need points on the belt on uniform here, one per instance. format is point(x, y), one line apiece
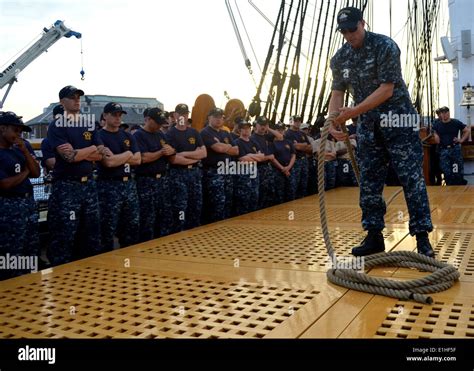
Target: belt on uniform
point(81, 179)
point(155, 176)
point(186, 167)
point(115, 178)
point(16, 195)
point(301, 158)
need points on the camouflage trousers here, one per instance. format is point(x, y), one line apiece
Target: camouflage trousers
point(186, 193)
point(218, 192)
point(119, 213)
point(330, 170)
point(156, 219)
point(283, 186)
point(452, 165)
point(19, 236)
point(73, 220)
point(265, 186)
point(300, 172)
point(345, 176)
point(376, 146)
point(245, 194)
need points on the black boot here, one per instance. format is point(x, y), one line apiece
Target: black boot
point(373, 243)
point(423, 245)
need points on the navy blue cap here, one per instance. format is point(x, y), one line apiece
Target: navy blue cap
point(348, 18)
point(261, 120)
point(11, 118)
point(156, 115)
point(69, 91)
point(216, 112)
point(113, 107)
point(182, 109)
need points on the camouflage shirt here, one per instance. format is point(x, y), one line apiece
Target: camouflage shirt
point(363, 70)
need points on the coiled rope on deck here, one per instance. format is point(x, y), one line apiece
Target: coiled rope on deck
point(442, 277)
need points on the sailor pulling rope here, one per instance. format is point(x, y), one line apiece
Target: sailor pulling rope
point(443, 275)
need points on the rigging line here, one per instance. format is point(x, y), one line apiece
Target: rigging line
point(390, 11)
point(326, 67)
point(267, 62)
point(248, 37)
point(309, 78)
point(237, 34)
point(269, 54)
point(296, 60)
point(285, 71)
point(313, 98)
point(271, 23)
point(298, 82)
point(276, 73)
point(305, 73)
point(281, 84)
point(316, 83)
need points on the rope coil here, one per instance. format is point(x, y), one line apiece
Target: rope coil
point(442, 277)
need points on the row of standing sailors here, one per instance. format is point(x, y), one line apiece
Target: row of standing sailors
point(181, 179)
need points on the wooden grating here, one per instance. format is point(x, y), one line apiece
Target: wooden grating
point(440, 320)
point(98, 302)
point(456, 215)
point(335, 214)
point(457, 248)
point(263, 246)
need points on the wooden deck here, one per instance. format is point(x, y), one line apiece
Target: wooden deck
point(261, 275)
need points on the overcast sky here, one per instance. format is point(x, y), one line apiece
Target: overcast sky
point(169, 50)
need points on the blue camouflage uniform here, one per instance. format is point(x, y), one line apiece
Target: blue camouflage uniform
point(118, 198)
point(265, 172)
point(300, 170)
point(153, 188)
point(284, 189)
point(19, 235)
point(73, 207)
point(362, 71)
point(218, 186)
point(345, 175)
point(450, 153)
point(246, 186)
point(185, 181)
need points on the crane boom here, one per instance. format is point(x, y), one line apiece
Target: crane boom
point(48, 38)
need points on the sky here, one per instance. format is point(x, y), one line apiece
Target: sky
point(169, 50)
